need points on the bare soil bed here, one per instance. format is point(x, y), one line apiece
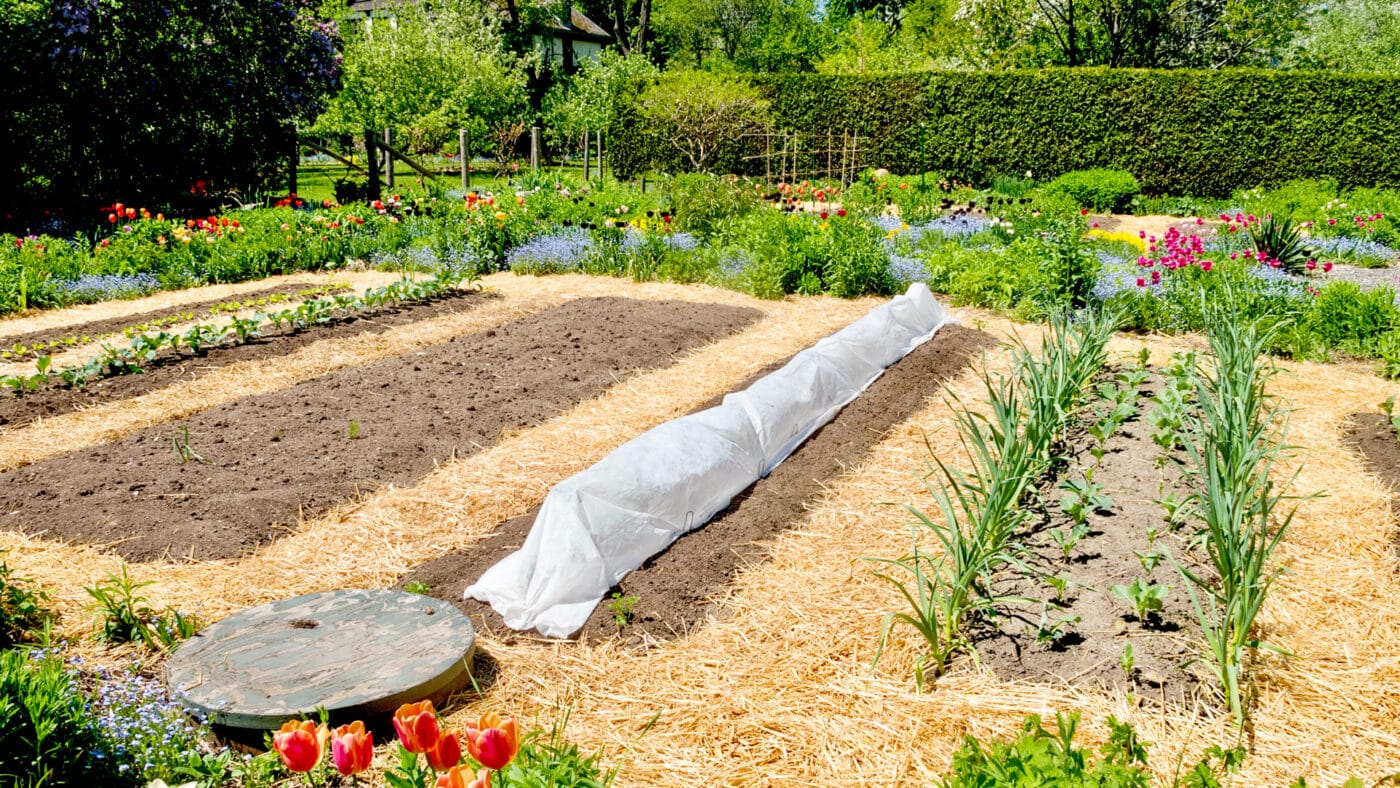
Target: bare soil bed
point(677, 589)
point(1373, 436)
point(97, 328)
point(1089, 651)
point(169, 369)
point(250, 468)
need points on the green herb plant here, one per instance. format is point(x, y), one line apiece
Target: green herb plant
point(127, 617)
point(1145, 598)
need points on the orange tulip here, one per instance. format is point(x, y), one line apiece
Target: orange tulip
point(417, 726)
point(446, 752)
point(300, 744)
point(458, 776)
point(352, 748)
point(493, 742)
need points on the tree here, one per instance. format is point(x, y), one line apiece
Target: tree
point(435, 70)
point(589, 99)
point(145, 100)
point(699, 112)
point(1352, 35)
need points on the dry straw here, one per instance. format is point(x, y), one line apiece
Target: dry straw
point(79, 354)
point(777, 690)
point(59, 319)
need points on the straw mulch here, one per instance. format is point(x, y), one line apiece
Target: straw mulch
point(79, 354)
point(780, 691)
point(58, 319)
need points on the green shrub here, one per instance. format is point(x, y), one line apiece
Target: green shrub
point(1347, 317)
point(1098, 189)
point(47, 736)
point(1040, 758)
point(1181, 131)
point(702, 203)
point(23, 608)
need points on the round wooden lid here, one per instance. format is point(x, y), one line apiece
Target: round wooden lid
point(359, 654)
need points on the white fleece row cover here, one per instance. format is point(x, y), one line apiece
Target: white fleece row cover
point(604, 522)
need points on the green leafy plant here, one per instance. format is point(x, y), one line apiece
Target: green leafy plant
point(127, 617)
point(183, 451)
point(1127, 663)
point(621, 608)
point(1069, 536)
point(1049, 633)
point(1148, 560)
point(1085, 497)
point(1041, 758)
point(1145, 598)
point(24, 611)
point(1277, 238)
point(1388, 407)
point(417, 587)
point(47, 736)
point(353, 431)
point(1237, 441)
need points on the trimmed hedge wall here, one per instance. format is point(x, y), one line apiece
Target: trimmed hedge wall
point(1204, 133)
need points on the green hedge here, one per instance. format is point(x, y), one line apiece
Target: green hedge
point(1204, 133)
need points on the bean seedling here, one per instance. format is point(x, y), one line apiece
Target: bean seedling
point(1145, 598)
point(621, 608)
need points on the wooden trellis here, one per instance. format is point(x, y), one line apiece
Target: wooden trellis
point(791, 156)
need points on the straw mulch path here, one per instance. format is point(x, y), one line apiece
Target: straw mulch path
point(57, 319)
point(780, 691)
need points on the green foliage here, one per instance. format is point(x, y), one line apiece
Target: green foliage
point(702, 204)
point(127, 617)
point(588, 101)
point(1041, 758)
point(621, 608)
point(694, 119)
point(107, 100)
point(47, 737)
point(24, 609)
point(1278, 239)
point(1008, 451)
point(430, 74)
point(1145, 598)
point(1355, 320)
point(1098, 189)
point(1181, 131)
point(1233, 442)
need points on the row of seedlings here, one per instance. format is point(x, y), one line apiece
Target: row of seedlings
point(1009, 449)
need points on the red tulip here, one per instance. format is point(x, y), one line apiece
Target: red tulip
point(1326, 267)
point(458, 776)
point(112, 218)
point(131, 213)
point(352, 748)
point(841, 212)
point(492, 741)
point(1141, 282)
point(446, 752)
point(300, 744)
point(417, 726)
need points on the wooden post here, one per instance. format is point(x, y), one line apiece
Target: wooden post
point(388, 159)
point(585, 156)
point(465, 157)
point(372, 164)
point(534, 147)
point(292, 172)
point(599, 157)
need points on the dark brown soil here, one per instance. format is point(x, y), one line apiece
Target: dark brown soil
point(97, 328)
point(1090, 649)
point(169, 369)
point(676, 589)
point(255, 465)
point(1375, 438)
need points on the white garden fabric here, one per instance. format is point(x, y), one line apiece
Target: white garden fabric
point(604, 522)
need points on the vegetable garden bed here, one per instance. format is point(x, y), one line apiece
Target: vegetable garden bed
point(677, 589)
point(169, 367)
point(221, 482)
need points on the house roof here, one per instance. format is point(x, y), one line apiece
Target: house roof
point(579, 25)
